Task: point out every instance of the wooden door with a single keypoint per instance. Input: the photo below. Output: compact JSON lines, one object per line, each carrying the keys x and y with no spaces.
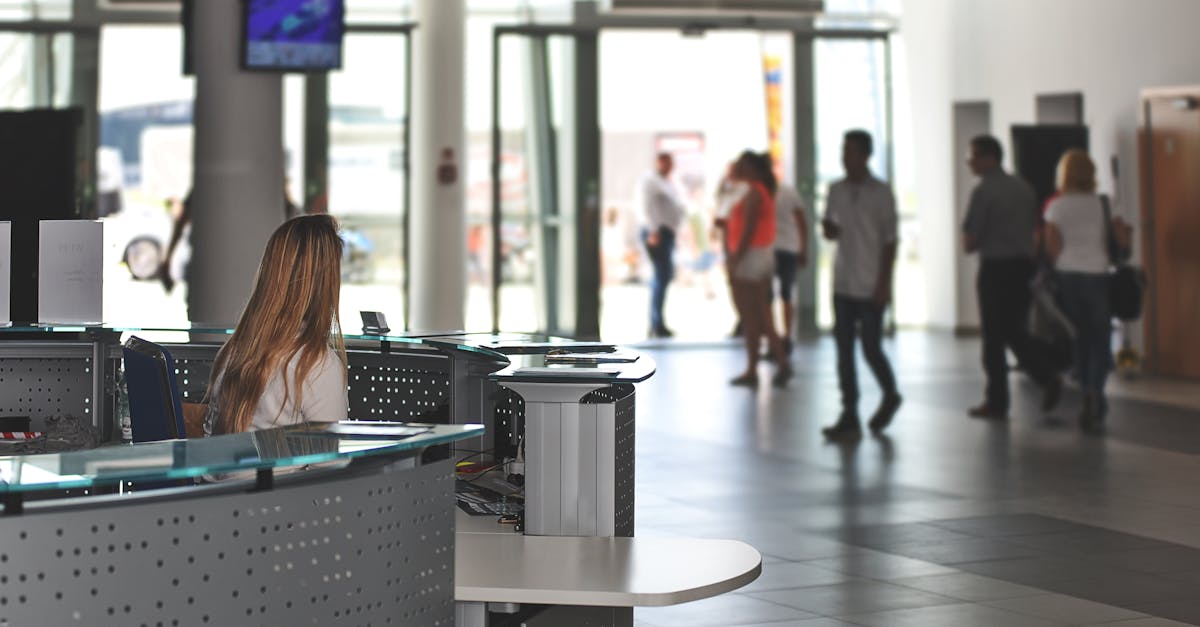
{"x":1170,"y":151}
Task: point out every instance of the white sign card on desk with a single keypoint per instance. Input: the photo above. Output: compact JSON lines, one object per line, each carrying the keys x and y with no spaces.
{"x":71,"y":271}
{"x":5,"y":272}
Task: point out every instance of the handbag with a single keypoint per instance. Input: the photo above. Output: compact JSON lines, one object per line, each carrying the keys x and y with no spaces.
{"x":1049,"y":328}
{"x":1126,"y":283}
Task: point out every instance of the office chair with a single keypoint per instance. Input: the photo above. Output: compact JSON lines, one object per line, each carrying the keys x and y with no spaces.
{"x":155,"y":409}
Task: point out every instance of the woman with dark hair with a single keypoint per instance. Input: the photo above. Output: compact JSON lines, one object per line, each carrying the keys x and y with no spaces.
{"x":750,"y":240}
{"x":286,"y":361}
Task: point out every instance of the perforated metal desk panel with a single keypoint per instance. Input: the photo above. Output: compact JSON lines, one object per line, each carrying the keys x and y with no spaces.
{"x":366,"y":538}
{"x":52,"y":371}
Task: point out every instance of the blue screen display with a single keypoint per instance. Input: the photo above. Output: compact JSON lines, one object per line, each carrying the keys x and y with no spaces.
{"x":294,"y":34}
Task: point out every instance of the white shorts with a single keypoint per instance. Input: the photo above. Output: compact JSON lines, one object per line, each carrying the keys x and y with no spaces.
{"x":756,"y":264}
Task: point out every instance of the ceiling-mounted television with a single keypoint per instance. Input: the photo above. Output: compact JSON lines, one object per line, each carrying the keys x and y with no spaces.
{"x":293,"y":35}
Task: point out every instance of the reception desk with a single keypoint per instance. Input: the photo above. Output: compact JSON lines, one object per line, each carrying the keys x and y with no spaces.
{"x":295,"y":526}
{"x":371,"y":537}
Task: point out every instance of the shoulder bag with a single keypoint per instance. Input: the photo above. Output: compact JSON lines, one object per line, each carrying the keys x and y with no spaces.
{"x":1126,"y":283}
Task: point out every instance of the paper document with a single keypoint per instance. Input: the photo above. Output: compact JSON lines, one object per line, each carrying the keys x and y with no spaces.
{"x":5,"y":272}
{"x":71,"y":271}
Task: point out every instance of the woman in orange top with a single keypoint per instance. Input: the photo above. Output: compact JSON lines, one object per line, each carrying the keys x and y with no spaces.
{"x":750,"y":240}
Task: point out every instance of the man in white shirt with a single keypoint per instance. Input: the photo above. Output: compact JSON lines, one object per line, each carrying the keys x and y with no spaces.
{"x":662,"y":211}
{"x":860,"y":215}
{"x":791,"y":254}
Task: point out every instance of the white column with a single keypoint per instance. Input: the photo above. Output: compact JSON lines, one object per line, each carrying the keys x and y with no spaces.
{"x":438,"y":256}
{"x":237,"y":181}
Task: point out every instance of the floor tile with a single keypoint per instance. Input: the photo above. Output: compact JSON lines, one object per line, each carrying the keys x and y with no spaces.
{"x":720,"y":611}
{"x":1185,"y":611}
{"x":799,"y":547}
{"x":968,"y":587}
{"x":1032,"y":571}
{"x":959,"y":551}
{"x":853,"y":597}
{"x":878,"y":565}
{"x":1005,"y":525}
{"x":1087,"y":542}
{"x":1143,"y":622}
{"x":809,"y":622}
{"x":1168,"y":559}
{"x":783,"y":575}
{"x":1125,"y":589}
{"x":1065,"y":609}
{"x":949,"y":616}
{"x":884,"y":536}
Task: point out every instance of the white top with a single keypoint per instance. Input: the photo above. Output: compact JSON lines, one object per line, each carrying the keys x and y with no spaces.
{"x":866,"y":213}
{"x":787,"y":231}
{"x":605,"y":572}
{"x":1080,"y":220}
{"x":728,"y":195}
{"x":660,"y":202}
{"x":325,"y":397}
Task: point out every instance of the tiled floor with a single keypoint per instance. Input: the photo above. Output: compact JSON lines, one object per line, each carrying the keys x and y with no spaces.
{"x":944,"y":520}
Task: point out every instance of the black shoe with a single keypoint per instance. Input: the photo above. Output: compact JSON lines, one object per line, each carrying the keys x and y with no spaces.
{"x":1051,"y":394}
{"x":886,"y":412}
{"x":1091,"y":418}
{"x":661,"y":333}
{"x":846,"y":428}
{"x":987,"y":412}
{"x":782,"y":376}
{"x":746,"y":380}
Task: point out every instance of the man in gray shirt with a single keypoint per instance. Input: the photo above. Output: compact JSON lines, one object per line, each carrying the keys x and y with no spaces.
{"x":1002,"y":218}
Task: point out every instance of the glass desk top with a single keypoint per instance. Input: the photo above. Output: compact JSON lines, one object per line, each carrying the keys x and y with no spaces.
{"x":284,"y":447}
{"x":522,"y":355}
{"x":433,"y":339}
{"x":543,"y":368}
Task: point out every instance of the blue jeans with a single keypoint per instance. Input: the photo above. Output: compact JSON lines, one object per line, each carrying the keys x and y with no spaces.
{"x":662,"y":257}
{"x":1085,"y":301}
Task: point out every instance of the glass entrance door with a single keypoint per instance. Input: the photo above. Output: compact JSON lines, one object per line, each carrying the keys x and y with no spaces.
{"x":543,"y":231}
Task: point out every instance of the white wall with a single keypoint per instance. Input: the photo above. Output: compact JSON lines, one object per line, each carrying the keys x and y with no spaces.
{"x":1008,"y":52}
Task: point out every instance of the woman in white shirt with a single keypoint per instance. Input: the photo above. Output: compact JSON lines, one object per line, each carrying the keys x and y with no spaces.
{"x":286,"y":361}
{"x":1077,"y":240}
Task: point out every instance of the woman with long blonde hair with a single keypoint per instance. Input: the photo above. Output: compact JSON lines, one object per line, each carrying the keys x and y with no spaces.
{"x":1082,"y":243}
{"x":286,"y":361}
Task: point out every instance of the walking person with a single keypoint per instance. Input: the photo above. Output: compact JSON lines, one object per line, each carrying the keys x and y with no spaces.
{"x":1000,"y":225}
{"x":791,"y":254}
{"x":1080,"y":242}
{"x":750,"y":240}
{"x":663,"y":211}
{"x":860,"y":215}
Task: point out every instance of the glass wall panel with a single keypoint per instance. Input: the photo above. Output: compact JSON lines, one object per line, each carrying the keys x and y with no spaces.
{"x":16,"y":71}
{"x":144,"y":170}
{"x":35,"y":9}
{"x":365,"y":189}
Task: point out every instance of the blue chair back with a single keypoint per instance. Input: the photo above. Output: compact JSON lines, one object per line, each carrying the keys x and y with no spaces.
{"x":155,"y":408}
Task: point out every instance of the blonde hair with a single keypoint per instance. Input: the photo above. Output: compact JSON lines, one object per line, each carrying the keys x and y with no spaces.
{"x":292,"y":312}
{"x":1076,"y":172}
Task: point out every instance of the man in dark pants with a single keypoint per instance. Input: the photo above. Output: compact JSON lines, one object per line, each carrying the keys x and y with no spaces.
{"x":1002,"y":218}
{"x":663,"y":211}
{"x":860,"y":214}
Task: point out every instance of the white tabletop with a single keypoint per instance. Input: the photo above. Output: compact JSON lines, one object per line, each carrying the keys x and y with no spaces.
{"x":610,"y":572}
